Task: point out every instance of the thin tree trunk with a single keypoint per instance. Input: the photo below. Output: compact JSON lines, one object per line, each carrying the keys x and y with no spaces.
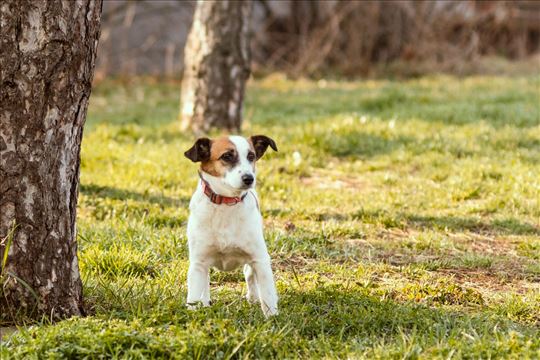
{"x":47,"y":62}
{"x":216,"y":66}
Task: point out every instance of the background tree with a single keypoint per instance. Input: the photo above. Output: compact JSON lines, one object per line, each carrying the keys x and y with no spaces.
{"x":47,"y":62}
{"x":216,"y":66}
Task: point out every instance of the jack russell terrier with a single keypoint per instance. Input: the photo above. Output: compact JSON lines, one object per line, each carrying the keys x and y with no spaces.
{"x":225,"y":227}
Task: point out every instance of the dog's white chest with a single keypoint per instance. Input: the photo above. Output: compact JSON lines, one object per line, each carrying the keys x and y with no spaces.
{"x":225,"y":236}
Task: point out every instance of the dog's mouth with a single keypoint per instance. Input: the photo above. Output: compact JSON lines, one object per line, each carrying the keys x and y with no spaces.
{"x":237,"y":190}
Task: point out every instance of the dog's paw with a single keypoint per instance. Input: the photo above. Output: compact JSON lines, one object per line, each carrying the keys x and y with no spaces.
{"x":268,"y":311}
{"x":198,"y":304}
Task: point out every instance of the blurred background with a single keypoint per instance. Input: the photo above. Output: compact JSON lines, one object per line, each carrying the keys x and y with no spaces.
{"x":335,"y":38}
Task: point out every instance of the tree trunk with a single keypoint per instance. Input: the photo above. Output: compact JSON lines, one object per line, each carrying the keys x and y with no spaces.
{"x":47,"y":63}
{"x":216,"y":66}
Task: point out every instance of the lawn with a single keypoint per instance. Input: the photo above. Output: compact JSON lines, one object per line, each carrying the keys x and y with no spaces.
{"x":402,"y":217}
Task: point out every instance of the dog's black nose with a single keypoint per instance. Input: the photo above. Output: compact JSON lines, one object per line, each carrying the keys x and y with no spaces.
{"x":248,"y":179}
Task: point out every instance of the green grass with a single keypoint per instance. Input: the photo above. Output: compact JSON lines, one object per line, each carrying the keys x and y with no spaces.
{"x":409,"y":229}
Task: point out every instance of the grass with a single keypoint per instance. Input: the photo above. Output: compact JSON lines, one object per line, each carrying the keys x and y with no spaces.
{"x":406,"y":225}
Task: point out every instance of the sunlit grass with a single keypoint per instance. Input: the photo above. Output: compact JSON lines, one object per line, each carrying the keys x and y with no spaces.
{"x":407,"y":224}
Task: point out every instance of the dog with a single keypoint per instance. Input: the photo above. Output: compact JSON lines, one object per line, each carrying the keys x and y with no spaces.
{"x":225,"y":228}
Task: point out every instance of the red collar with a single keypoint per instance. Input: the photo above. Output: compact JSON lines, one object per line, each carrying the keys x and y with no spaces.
{"x":219,"y":199}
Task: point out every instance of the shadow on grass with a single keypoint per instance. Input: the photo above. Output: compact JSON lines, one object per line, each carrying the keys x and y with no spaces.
{"x":355,"y":312}
{"x":325,"y":321}
{"x":358,"y":144}
{"x":122,"y":194}
{"x":508,"y":226}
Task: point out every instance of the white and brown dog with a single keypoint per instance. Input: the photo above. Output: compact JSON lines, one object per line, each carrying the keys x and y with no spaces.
{"x":225,"y":227}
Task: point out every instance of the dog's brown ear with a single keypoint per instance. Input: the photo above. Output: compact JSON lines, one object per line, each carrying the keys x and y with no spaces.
{"x":261,"y":143}
{"x":200,"y":151}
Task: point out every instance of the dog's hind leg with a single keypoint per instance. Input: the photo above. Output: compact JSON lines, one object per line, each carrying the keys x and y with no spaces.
{"x":252,"y":290}
{"x":267,"y":288}
{"x":198,"y":283}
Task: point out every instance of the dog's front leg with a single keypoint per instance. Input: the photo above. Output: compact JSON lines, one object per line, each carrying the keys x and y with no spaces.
{"x":252,"y":290}
{"x":198,"y":285}
{"x":205,"y":299}
{"x":267,"y":288}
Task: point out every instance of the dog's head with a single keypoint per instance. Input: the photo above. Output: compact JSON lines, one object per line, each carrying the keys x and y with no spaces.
{"x":231,"y":158}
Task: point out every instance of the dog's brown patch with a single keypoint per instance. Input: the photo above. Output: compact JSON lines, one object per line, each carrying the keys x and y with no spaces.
{"x":250,"y":142}
{"x":214,"y":166}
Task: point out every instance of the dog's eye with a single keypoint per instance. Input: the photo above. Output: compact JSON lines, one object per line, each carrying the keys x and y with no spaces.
{"x":251,"y":157}
{"x":227,"y":157}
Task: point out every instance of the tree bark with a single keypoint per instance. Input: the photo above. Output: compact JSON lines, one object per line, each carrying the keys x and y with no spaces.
{"x":216,"y":66}
{"x":47,"y":62}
